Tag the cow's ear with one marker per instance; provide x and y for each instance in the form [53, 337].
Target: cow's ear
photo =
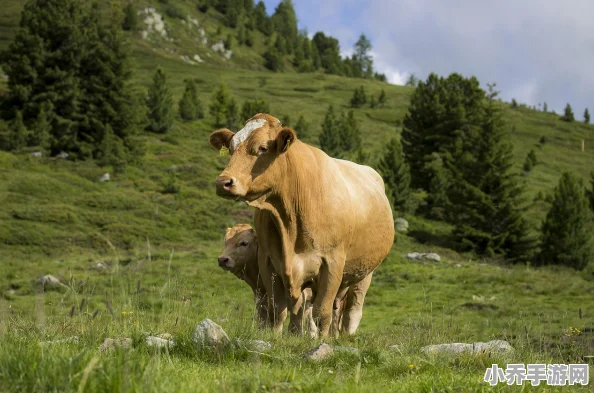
[221, 138]
[284, 139]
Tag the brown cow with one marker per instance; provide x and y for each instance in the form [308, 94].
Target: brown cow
[328, 225]
[240, 258]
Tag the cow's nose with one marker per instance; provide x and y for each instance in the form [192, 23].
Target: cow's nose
[225, 182]
[223, 260]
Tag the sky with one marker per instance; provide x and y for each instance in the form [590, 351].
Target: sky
[534, 50]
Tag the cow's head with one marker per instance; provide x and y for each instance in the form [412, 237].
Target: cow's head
[241, 248]
[256, 155]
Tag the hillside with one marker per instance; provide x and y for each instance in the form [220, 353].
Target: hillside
[137, 244]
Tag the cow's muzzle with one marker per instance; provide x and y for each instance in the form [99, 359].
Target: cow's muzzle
[226, 186]
[225, 262]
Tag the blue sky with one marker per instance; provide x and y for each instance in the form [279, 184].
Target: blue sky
[534, 50]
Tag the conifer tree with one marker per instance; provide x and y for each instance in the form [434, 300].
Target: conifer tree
[302, 128]
[18, 133]
[396, 175]
[219, 105]
[286, 120]
[349, 134]
[568, 115]
[362, 56]
[382, 98]
[545, 108]
[233, 115]
[437, 191]
[586, 116]
[285, 24]
[273, 60]
[41, 130]
[591, 191]
[330, 135]
[131, 18]
[160, 103]
[372, 102]
[250, 108]
[261, 19]
[189, 105]
[486, 195]
[567, 229]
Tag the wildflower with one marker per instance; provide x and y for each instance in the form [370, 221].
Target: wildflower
[411, 366]
[124, 313]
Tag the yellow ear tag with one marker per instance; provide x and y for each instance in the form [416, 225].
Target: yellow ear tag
[224, 151]
[287, 145]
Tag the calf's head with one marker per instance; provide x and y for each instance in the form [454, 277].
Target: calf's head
[257, 152]
[241, 249]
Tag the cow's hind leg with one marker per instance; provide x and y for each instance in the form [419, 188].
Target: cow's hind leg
[353, 309]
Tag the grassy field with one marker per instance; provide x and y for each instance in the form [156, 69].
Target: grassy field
[158, 252]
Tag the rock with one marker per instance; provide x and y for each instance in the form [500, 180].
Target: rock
[50, 281]
[432, 257]
[198, 59]
[417, 256]
[337, 348]
[172, 168]
[37, 154]
[63, 155]
[458, 265]
[492, 346]
[112, 343]
[256, 345]
[101, 265]
[401, 225]
[159, 342]
[475, 348]
[210, 334]
[442, 348]
[69, 340]
[105, 177]
[4, 76]
[220, 47]
[154, 22]
[321, 352]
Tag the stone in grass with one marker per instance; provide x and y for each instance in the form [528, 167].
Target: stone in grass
[113, 343]
[476, 348]
[321, 352]
[159, 341]
[255, 345]
[208, 333]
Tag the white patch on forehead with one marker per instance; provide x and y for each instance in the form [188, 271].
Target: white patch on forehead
[245, 132]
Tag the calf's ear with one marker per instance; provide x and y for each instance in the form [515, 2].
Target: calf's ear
[221, 138]
[284, 139]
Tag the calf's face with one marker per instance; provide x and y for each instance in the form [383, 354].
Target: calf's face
[256, 163]
[241, 249]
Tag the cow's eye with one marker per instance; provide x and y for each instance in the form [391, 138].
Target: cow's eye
[262, 149]
[243, 244]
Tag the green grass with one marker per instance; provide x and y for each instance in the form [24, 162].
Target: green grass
[57, 218]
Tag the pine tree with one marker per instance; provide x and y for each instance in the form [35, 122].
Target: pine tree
[545, 108]
[286, 120]
[160, 103]
[359, 98]
[528, 164]
[382, 98]
[219, 105]
[440, 114]
[131, 18]
[189, 105]
[514, 103]
[330, 135]
[249, 38]
[349, 134]
[228, 42]
[251, 108]
[586, 116]
[362, 56]
[280, 44]
[372, 102]
[567, 229]
[232, 115]
[485, 194]
[274, 60]
[532, 157]
[568, 116]
[285, 24]
[437, 191]
[261, 19]
[241, 35]
[591, 191]
[412, 81]
[302, 128]
[41, 131]
[112, 152]
[396, 175]
[315, 57]
[18, 134]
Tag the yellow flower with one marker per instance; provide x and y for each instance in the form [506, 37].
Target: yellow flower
[131, 313]
[411, 366]
[123, 313]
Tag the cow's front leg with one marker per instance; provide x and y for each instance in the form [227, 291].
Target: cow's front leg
[337, 310]
[297, 306]
[353, 309]
[275, 300]
[330, 277]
